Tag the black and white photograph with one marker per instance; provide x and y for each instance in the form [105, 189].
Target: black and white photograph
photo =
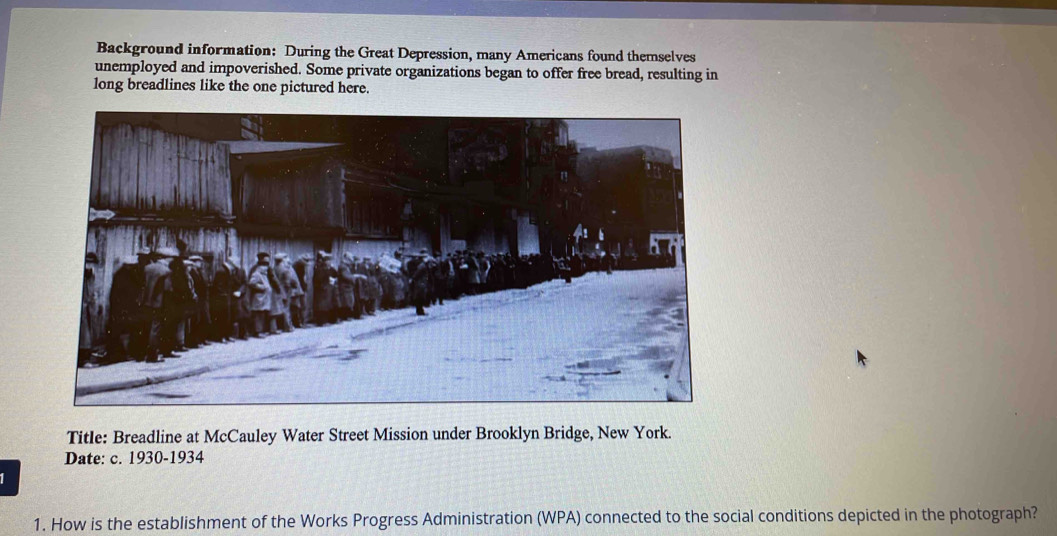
[275, 259]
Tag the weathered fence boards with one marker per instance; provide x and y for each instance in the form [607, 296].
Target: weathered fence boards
[308, 193]
[139, 170]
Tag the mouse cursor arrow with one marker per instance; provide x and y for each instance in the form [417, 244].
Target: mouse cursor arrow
[861, 358]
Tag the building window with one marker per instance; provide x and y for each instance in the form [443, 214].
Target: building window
[565, 176]
[371, 212]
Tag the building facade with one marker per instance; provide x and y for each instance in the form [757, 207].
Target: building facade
[635, 207]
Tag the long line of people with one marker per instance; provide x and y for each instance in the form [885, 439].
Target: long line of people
[162, 302]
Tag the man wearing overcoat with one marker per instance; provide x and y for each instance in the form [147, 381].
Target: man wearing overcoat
[260, 289]
[157, 289]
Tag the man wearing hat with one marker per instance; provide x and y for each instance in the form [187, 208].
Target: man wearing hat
[240, 300]
[156, 288]
[473, 274]
[220, 303]
[323, 279]
[276, 318]
[462, 273]
[198, 325]
[260, 289]
[347, 282]
[452, 288]
[182, 304]
[301, 266]
[374, 286]
[483, 267]
[440, 278]
[125, 317]
[291, 287]
[420, 288]
[141, 328]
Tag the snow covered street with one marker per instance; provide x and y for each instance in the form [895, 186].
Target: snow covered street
[603, 337]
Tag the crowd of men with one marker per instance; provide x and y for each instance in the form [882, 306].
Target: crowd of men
[162, 302]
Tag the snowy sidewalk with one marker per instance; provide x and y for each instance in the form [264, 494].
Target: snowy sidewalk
[132, 374]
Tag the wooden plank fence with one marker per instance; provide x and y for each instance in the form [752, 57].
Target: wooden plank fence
[139, 170]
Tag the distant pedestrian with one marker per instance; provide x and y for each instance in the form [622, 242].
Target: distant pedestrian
[420, 276]
[607, 262]
[441, 271]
